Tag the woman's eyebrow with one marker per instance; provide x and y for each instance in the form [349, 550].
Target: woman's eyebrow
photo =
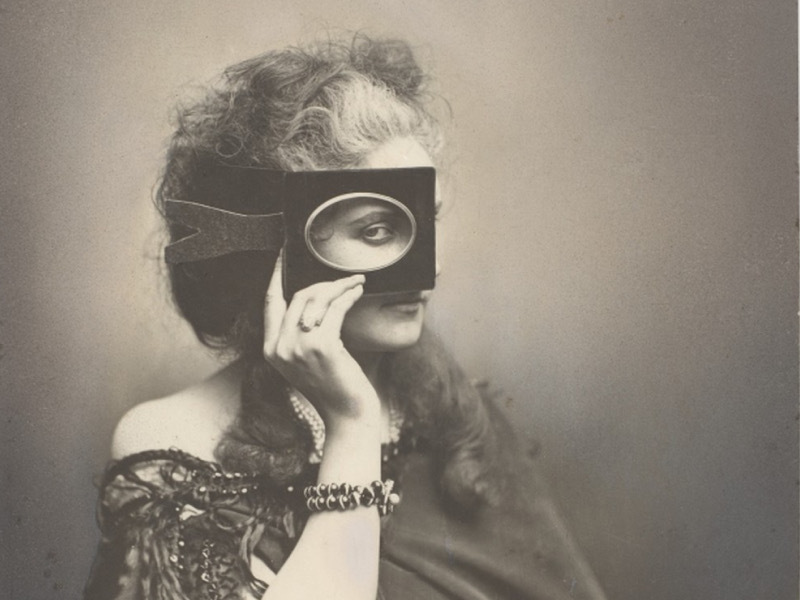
[371, 216]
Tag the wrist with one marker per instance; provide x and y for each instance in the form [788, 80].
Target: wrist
[352, 452]
[358, 412]
[363, 430]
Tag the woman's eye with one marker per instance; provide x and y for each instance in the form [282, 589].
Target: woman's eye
[377, 234]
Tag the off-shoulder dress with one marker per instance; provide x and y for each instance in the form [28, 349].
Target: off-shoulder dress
[174, 526]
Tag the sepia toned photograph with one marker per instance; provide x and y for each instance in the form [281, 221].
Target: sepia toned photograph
[445, 300]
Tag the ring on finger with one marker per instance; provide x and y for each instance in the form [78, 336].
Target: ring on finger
[305, 327]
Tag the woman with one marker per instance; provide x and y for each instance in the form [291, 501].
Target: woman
[223, 489]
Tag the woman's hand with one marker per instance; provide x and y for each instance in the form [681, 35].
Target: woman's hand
[303, 342]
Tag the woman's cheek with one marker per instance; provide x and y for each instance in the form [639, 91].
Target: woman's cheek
[370, 329]
[360, 322]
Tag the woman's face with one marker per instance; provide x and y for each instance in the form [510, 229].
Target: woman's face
[388, 322]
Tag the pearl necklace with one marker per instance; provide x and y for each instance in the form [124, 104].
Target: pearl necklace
[306, 412]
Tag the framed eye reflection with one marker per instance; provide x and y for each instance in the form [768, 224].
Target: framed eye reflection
[360, 232]
[380, 222]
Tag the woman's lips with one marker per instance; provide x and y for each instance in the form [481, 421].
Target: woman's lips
[407, 303]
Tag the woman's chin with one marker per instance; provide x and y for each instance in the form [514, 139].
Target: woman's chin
[385, 339]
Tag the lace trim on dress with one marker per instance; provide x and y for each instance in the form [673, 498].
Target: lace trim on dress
[176, 526]
[181, 527]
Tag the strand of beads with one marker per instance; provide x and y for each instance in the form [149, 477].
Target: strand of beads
[309, 415]
[306, 412]
[395, 424]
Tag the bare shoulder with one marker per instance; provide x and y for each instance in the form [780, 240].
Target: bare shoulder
[193, 419]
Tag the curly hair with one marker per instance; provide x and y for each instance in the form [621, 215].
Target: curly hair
[324, 106]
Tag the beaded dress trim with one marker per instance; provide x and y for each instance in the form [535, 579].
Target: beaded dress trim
[176, 526]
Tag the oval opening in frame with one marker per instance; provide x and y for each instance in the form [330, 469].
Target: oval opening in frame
[360, 232]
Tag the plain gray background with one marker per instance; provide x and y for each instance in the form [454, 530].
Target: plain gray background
[620, 255]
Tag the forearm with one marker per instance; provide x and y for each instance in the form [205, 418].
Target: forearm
[337, 554]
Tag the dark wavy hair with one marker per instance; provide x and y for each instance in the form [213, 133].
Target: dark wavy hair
[324, 106]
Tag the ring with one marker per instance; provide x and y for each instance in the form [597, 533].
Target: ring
[305, 327]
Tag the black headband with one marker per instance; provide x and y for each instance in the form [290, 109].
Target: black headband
[262, 194]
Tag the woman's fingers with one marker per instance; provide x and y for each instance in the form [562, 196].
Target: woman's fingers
[285, 326]
[274, 307]
[309, 306]
[337, 310]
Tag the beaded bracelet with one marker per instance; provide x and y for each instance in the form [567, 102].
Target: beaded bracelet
[343, 496]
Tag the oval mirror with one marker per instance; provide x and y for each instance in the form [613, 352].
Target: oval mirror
[360, 232]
